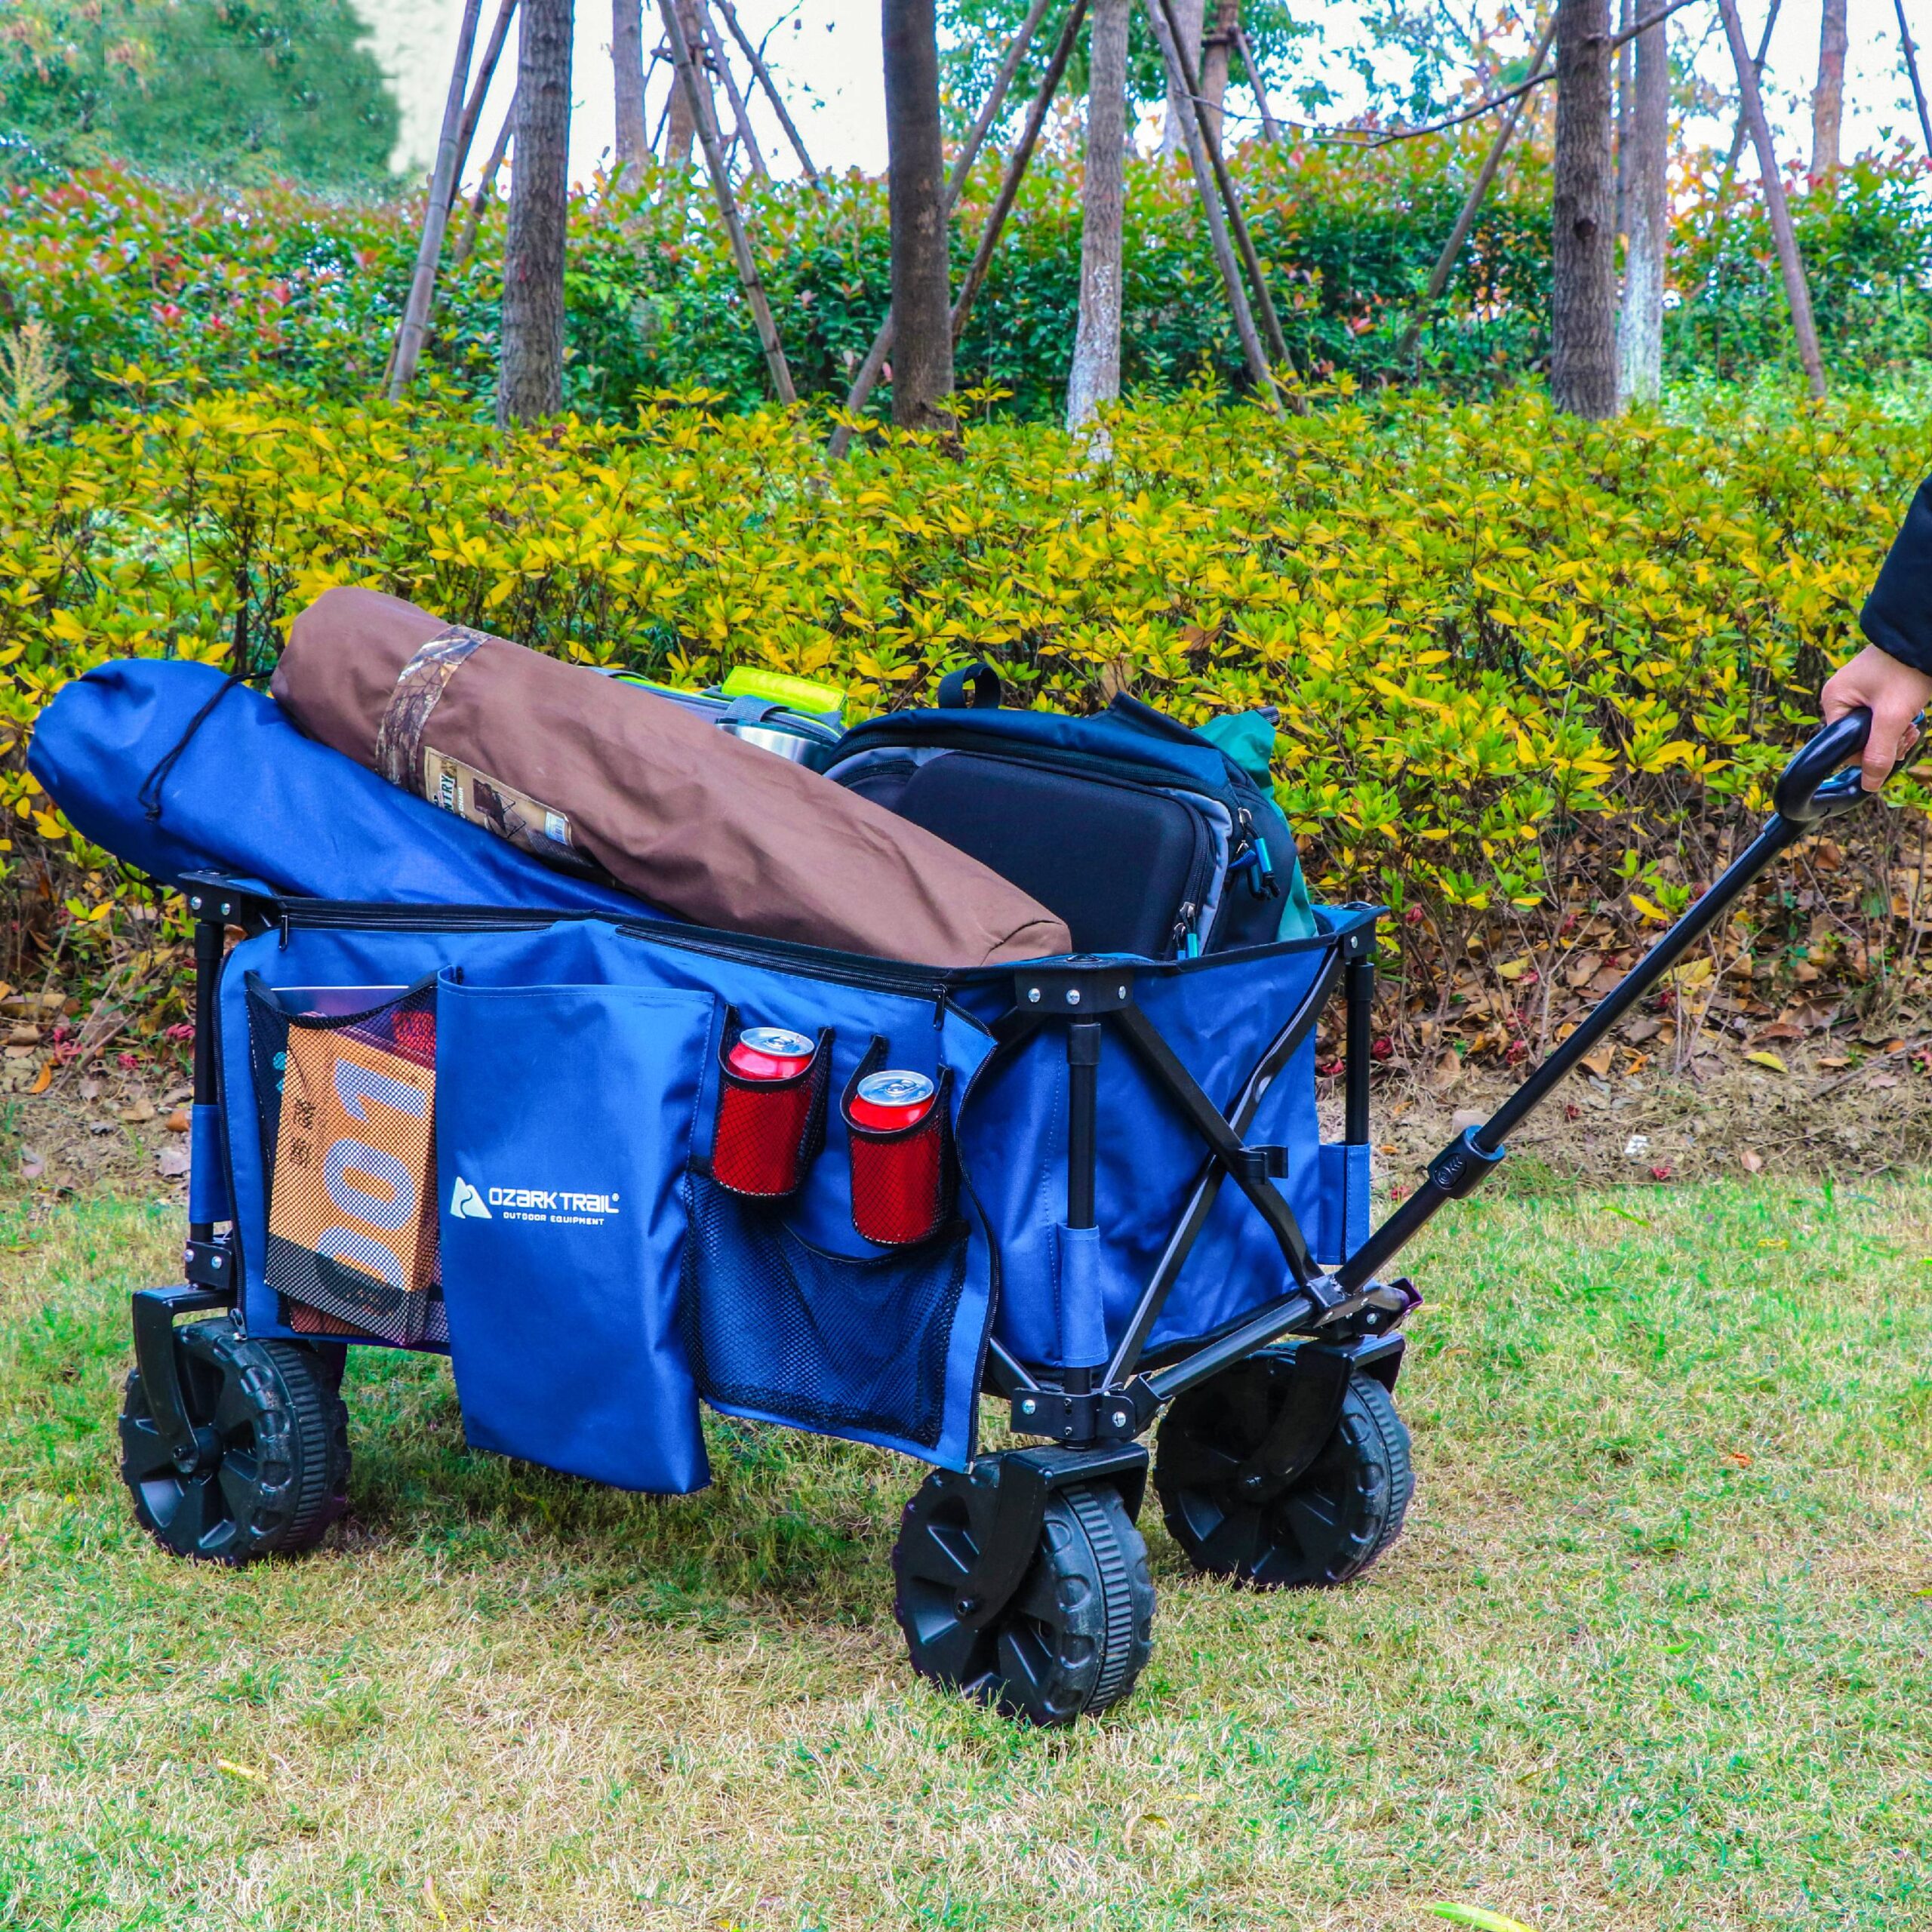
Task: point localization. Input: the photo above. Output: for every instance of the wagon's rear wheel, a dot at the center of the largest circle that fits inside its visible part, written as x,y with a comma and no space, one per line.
277,1474
1076,1633
1327,1524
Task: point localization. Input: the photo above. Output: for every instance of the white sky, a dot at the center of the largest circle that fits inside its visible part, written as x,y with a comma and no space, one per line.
826,54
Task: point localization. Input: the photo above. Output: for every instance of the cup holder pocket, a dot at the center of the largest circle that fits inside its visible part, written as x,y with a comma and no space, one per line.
772,1085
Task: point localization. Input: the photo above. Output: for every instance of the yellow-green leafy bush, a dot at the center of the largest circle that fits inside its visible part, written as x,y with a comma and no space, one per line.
1529,668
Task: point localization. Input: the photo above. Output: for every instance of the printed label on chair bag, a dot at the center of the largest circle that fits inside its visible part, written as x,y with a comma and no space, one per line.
529,824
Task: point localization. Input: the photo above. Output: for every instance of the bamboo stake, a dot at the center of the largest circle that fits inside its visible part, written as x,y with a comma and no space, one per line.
466,242
739,111
1797,293
472,111
1271,128
435,215
763,75
1271,323
1445,263
1911,68
1016,169
1210,210
700,99
870,370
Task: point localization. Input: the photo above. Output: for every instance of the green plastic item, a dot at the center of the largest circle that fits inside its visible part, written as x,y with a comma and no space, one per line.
781,687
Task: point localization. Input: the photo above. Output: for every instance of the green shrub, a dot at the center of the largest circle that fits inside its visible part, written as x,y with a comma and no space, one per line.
1529,669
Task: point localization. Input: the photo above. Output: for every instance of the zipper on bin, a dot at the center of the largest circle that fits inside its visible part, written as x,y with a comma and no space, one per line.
843,968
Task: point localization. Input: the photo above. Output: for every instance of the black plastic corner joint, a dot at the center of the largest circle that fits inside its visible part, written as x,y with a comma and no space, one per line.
1077,986
213,899
1255,1165
210,1264
1463,1167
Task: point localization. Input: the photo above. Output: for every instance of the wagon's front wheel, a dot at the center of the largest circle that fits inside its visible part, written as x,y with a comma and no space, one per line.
1074,1636
1324,1526
275,1473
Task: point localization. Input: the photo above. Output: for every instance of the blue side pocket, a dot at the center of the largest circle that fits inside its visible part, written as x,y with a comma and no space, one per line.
564,1117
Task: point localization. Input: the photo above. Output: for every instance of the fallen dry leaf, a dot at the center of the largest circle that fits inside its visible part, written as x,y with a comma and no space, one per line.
141,1110
1514,969
1599,1062
31,1166
1751,1161
43,1079
178,1121
1637,1031
171,1163
1583,970
1767,1060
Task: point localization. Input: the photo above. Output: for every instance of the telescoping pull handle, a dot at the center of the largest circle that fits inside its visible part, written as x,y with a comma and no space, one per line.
1817,784
1820,782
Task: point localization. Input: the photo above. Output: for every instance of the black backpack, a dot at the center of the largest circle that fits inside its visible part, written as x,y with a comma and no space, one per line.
1144,836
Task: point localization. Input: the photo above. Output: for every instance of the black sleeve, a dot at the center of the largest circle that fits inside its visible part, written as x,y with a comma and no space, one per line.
1897,616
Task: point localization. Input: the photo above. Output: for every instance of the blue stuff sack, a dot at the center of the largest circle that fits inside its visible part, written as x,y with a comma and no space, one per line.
565,1121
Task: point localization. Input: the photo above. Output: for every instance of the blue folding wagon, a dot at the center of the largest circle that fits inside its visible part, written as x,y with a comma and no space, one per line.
479,1108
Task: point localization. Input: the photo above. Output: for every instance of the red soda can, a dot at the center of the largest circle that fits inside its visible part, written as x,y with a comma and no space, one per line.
886,1102
897,1182
770,1052
764,1114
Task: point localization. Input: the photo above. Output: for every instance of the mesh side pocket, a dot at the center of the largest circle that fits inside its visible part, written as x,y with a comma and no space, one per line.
777,1326
346,1106
769,1132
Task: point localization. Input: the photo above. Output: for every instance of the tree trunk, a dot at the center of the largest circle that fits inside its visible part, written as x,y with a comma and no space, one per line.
682,129
1189,16
436,216
1640,326
921,308
1626,19
1582,359
1827,97
1095,376
1216,47
529,383
627,69
1910,54
1770,185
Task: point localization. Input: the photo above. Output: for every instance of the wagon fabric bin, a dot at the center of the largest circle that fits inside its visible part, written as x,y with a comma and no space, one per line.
593,1279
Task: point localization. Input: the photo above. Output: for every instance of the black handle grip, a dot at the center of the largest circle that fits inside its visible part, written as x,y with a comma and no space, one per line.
1816,785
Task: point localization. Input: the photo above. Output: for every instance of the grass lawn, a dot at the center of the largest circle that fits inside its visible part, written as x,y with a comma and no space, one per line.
1656,1651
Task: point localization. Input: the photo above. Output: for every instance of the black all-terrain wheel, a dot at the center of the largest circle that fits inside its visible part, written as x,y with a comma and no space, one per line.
1076,1633
1329,1523
278,1474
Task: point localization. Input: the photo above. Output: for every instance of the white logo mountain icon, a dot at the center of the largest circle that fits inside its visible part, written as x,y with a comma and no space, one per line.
466,1204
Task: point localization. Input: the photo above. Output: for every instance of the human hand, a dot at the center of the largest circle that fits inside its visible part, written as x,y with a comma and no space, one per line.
1895,694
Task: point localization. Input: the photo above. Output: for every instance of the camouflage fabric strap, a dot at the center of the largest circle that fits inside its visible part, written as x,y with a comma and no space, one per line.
419,686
